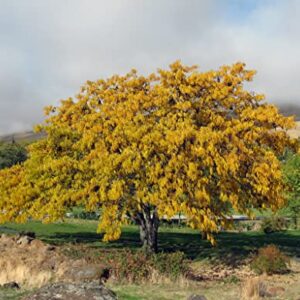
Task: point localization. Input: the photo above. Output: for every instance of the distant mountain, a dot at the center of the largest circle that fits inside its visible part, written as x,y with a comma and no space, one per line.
290,110
30,136
23,137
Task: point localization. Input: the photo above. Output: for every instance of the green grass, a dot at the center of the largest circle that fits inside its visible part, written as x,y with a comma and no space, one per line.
173,291
170,239
11,294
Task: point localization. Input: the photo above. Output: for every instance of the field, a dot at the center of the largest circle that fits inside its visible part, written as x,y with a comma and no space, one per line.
232,248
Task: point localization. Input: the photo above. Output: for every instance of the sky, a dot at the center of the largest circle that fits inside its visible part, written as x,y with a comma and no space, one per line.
49,48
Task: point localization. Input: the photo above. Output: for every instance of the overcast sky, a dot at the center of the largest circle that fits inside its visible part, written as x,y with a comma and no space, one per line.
49,48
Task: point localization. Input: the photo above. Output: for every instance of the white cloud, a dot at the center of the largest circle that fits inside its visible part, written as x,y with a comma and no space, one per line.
49,48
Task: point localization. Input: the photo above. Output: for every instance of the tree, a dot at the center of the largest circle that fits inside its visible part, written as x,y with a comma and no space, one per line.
144,148
292,176
11,154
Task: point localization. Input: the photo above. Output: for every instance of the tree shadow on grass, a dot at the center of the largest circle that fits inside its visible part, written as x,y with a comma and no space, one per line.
127,240
238,245
229,245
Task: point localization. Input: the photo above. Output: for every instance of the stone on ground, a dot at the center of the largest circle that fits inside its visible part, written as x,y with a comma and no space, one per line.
67,291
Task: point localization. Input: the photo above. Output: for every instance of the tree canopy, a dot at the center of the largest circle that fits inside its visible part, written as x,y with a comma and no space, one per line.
147,147
11,154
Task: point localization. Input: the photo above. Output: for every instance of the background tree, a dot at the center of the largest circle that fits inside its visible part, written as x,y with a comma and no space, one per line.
292,176
11,154
149,147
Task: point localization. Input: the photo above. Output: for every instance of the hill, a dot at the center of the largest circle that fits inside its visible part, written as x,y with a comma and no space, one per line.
290,110
22,137
30,136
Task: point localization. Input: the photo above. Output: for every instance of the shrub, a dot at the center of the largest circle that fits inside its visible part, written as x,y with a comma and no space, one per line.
11,154
129,266
270,260
273,224
232,279
243,226
170,264
138,266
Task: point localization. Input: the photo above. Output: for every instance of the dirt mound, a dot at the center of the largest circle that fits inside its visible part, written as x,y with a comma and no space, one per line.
67,291
32,263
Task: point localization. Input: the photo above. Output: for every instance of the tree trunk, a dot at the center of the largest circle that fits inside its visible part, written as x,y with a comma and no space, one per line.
295,221
149,223
295,217
148,236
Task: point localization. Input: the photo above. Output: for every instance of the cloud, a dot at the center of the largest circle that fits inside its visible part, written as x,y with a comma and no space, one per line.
49,48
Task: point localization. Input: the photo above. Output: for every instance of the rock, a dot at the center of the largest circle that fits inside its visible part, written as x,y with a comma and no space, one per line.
87,272
30,234
11,285
81,272
67,291
25,237
196,297
24,240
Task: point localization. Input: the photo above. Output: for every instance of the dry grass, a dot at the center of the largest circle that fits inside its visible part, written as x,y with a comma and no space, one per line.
23,275
253,288
34,264
23,264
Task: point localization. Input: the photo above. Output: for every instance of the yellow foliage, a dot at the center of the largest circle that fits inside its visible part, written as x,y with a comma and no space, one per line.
176,141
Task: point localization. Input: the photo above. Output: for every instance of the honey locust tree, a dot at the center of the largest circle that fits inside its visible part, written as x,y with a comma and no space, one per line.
144,148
